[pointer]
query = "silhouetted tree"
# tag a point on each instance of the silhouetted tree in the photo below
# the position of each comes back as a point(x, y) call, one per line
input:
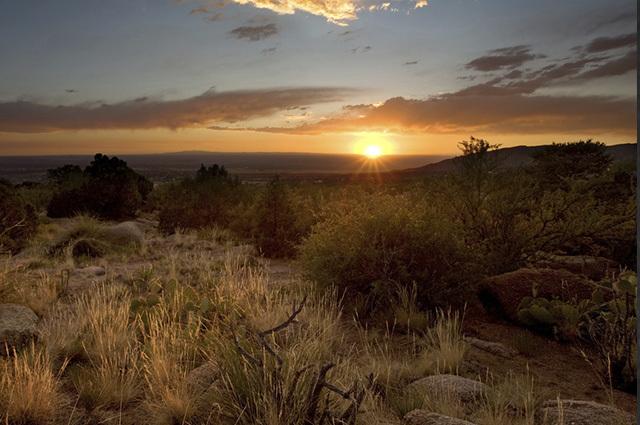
point(108, 189)
point(561, 161)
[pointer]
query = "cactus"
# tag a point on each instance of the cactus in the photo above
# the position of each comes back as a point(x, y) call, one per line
point(561, 318)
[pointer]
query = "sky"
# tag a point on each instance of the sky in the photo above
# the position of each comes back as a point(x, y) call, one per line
point(331, 76)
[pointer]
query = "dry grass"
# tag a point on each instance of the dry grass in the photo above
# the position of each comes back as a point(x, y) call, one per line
point(128, 348)
point(29, 388)
point(445, 347)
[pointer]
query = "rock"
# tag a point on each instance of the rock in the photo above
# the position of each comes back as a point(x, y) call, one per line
point(492, 347)
point(467, 390)
point(87, 248)
point(422, 417)
point(126, 233)
point(91, 271)
point(502, 294)
point(200, 379)
point(577, 412)
point(595, 268)
point(17, 325)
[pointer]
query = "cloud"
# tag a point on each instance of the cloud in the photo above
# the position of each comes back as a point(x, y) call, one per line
point(617, 66)
point(143, 113)
point(336, 11)
point(489, 114)
point(255, 33)
point(602, 44)
point(269, 51)
point(508, 57)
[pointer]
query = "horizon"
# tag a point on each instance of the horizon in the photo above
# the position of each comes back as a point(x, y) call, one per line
point(408, 77)
point(353, 154)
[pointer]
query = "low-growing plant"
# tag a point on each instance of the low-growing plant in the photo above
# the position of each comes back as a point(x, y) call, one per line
point(18, 220)
point(382, 242)
point(30, 391)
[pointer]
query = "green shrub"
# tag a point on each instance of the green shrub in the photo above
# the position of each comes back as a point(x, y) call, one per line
point(200, 202)
point(561, 318)
point(276, 230)
point(18, 220)
point(367, 249)
point(612, 331)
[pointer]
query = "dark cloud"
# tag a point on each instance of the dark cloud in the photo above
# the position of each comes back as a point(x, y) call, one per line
point(602, 44)
point(210, 107)
point(254, 33)
point(214, 17)
point(363, 49)
point(199, 10)
point(269, 51)
point(617, 66)
point(507, 57)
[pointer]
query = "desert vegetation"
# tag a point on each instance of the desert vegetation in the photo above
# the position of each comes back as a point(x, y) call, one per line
point(488, 296)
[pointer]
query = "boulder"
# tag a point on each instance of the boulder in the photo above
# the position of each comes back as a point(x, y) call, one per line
point(124, 234)
point(422, 417)
point(494, 348)
point(577, 412)
point(17, 326)
point(91, 271)
point(595, 268)
point(200, 379)
point(502, 294)
point(466, 390)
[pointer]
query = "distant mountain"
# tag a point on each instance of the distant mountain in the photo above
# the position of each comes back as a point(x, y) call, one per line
point(520, 156)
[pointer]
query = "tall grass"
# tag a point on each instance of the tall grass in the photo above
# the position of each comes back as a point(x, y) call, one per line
point(30, 392)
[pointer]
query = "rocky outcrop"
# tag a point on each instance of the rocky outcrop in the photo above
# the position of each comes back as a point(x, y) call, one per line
point(124, 234)
point(422, 417)
point(502, 294)
point(595, 268)
point(494, 348)
point(466, 390)
point(577, 412)
point(17, 326)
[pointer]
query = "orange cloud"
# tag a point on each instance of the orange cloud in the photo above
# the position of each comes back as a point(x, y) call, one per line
point(515, 114)
point(208, 108)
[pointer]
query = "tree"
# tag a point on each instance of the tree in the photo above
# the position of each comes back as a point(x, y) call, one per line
point(276, 232)
point(577, 160)
point(107, 188)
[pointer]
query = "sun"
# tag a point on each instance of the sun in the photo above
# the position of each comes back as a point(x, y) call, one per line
point(372, 151)
point(372, 145)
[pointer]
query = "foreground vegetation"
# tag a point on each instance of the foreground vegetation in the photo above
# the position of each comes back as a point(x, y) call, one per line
point(181, 318)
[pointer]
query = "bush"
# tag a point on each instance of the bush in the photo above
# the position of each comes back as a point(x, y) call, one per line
point(200, 202)
point(383, 242)
point(276, 230)
point(107, 188)
point(18, 220)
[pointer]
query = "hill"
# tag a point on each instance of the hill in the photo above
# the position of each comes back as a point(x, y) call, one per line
point(520, 156)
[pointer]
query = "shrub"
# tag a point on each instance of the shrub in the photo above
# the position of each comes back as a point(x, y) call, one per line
point(561, 161)
point(383, 241)
point(107, 188)
point(18, 220)
point(611, 328)
point(276, 230)
point(199, 202)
